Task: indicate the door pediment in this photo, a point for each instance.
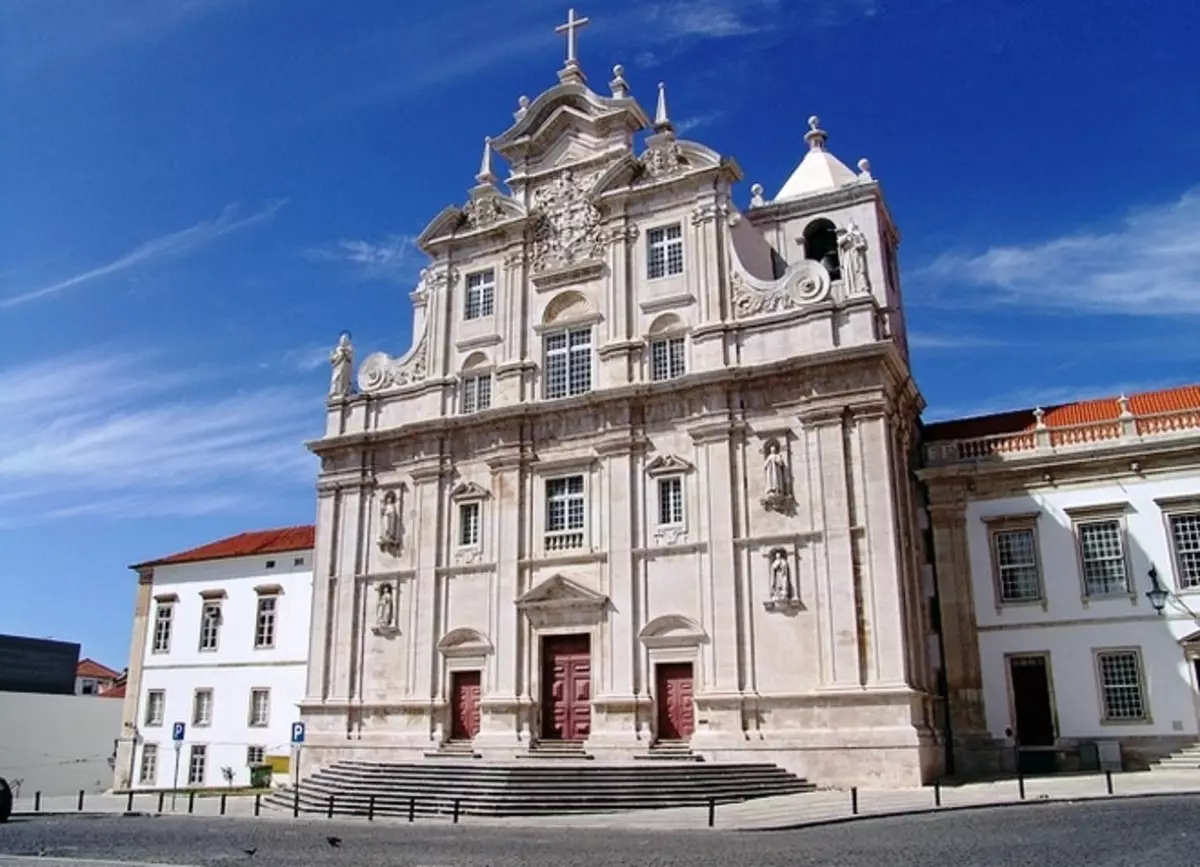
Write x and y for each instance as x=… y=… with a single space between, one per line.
x=561 y=601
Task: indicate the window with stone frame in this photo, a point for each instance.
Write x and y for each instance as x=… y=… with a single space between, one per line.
x=197 y=764
x=156 y=707
x=1016 y=568
x=568 y=362
x=664 y=251
x=1122 y=685
x=565 y=513
x=164 y=617
x=469 y=519
x=260 y=707
x=667 y=359
x=202 y=707
x=475 y=393
x=481 y=294
x=210 y=624
x=264 y=621
x=670 y=501
x=1185 y=547
x=148 y=769
x=1101 y=542
x=255 y=755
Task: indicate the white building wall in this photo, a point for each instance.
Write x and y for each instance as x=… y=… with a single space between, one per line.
x=231 y=671
x=57 y=744
x=1070 y=627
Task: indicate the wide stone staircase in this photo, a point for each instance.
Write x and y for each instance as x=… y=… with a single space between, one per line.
x=528 y=788
x=1187 y=758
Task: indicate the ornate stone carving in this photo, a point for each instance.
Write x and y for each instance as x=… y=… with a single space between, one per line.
x=385 y=607
x=468 y=556
x=389 y=523
x=702 y=214
x=483 y=212
x=673 y=535
x=379 y=371
x=567 y=228
x=663 y=160
x=806 y=282
x=668 y=465
x=853 y=244
x=777 y=487
x=782 y=595
x=341 y=360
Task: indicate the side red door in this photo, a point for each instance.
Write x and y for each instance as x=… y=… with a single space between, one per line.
x=676 y=711
x=464 y=704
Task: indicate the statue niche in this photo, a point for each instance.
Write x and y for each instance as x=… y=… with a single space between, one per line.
x=777 y=481
x=389 y=523
x=782 y=592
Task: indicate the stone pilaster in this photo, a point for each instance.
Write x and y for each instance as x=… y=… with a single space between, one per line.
x=321 y=617
x=125 y=767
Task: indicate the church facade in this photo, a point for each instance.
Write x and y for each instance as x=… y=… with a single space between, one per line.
x=644 y=478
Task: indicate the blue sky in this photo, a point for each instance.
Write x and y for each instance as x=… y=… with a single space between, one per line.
x=200 y=194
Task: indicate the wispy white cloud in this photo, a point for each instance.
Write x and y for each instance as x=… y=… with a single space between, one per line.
x=1147 y=266
x=106 y=434
x=392 y=258
x=167 y=246
x=931 y=340
x=688 y=124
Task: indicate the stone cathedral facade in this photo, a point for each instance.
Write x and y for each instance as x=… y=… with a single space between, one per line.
x=643 y=480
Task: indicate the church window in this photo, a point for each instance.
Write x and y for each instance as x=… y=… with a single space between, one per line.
x=260 y=707
x=164 y=615
x=667 y=358
x=1017 y=572
x=670 y=501
x=1121 y=685
x=476 y=392
x=821 y=245
x=264 y=623
x=564 y=513
x=202 y=707
x=148 y=772
x=481 y=294
x=197 y=762
x=1185 y=542
x=210 y=624
x=468 y=524
x=664 y=251
x=156 y=707
x=568 y=362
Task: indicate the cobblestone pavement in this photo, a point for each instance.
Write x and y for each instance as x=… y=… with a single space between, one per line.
x=1131 y=833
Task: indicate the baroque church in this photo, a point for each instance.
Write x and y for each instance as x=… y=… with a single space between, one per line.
x=643 y=482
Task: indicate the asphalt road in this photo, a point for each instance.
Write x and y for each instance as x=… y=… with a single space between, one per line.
x=1126 y=833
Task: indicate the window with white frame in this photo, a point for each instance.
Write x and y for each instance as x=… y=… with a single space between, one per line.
x=568 y=362
x=264 y=621
x=255 y=755
x=1185 y=542
x=481 y=294
x=1121 y=685
x=156 y=706
x=476 y=392
x=148 y=770
x=670 y=501
x=565 y=513
x=469 y=515
x=1017 y=573
x=667 y=358
x=197 y=761
x=664 y=251
x=1102 y=554
x=260 y=707
x=164 y=616
x=210 y=624
x=202 y=707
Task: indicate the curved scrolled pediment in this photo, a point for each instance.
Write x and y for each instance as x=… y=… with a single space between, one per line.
x=574 y=103
x=669 y=158
x=469 y=491
x=668 y=465
x=805 y=282
x=464 y=641
x=672 y=630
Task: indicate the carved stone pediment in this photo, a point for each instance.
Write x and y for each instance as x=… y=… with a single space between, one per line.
x=805 y=282
x=469 y=491
x=668 y=465
x=464 y=641
x=567 y=229
x=672 y=630
x=560 y=601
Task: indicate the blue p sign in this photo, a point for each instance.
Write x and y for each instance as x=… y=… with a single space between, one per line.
x=177 y=731
x=297 y=732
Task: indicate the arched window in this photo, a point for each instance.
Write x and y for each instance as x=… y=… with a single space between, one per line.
x=567 y=345
x=821 y=245
x=668 y=347
x=475 y=384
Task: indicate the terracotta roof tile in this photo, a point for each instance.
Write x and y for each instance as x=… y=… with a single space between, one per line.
x=91 y=668
x=244 y=545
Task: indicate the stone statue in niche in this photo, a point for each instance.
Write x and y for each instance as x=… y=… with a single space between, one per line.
x=389 y=522
x=853 y=244
x=385 y=607
x=342 y=362
x=783 y=595
x=777 y=492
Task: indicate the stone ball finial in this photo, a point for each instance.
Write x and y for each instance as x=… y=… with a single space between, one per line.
x=618 y=70
x=523 y=101
x=756 y=189
x=814 y=122
x=864 y=166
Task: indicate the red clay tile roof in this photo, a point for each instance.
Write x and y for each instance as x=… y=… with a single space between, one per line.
x=113 y=692
x=244 y=545
x=1063 y=415
x=91 y=668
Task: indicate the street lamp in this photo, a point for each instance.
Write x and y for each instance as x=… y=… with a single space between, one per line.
x=1157 y=594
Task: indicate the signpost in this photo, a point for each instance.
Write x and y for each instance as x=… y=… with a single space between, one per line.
x=298 y=732
x=178 y=730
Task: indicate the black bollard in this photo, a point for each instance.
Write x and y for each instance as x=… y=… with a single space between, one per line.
x=329 y=814
x=161 y=798
x=191 y=802
x=712 y=812
x=854 y=800
x=257 y=804
x=81 y=800
x=296 y=802
x=129 y=801
x=937 y=793
x=412 y=808
x=1021 y=784
x=223 y=797
x=37 y=802
x=1108 y=781
x=371 y=809
x=456 y=811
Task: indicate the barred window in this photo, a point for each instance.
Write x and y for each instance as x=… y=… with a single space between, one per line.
x=1185 y=538
x=148 y=770
x=255 y=755
x=156 y=703
x=164 y=615
x=197 y=760
x=666 y=358
x=481 y=294
x=568 y=366
x=664 y=247
x=564 y=513
x=670 y=501
x=202 y=703
x=210 y=625
x=476 y=393
x=1121 y=682
x=468 y=524
x=264 y=625
x=1102 y=550
x=1016 y=565
x=260 y=707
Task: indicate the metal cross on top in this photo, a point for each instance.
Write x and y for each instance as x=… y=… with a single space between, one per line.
x=573 y=24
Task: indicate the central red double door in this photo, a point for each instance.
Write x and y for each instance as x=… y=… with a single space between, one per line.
x=676 y=711
x=566 y=687
x=464 y=705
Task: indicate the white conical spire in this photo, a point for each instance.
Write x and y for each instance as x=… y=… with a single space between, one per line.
x=662 y=123
x=485 y=175
x=819 y=171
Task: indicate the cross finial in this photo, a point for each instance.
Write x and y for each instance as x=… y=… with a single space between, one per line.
x=573 y=24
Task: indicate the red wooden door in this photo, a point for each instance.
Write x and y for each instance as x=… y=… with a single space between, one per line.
x=566 y=687
x=676 y=713
x=464 y=705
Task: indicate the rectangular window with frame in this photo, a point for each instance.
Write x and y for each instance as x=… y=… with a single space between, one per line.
x=156 y=707
x=264 y=621
x=148 y=770
x=667 y=359
x=476 y=393
x=164 y=616
x=210 y=624
x=565 y=513
x=670 y=501
x=255 y=755
x=664 y=251
x=1121 y=685
x=481 y=294
x=1102 y=555
x=1018 y=575
x=197 y=762
x=202 y=707
x=468 y=524
x=568 y=362
x=260 y=707
x=1185 y=545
